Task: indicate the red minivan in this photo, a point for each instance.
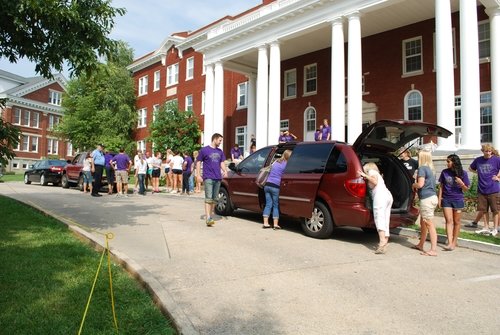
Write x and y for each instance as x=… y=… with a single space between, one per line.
x=320 y=184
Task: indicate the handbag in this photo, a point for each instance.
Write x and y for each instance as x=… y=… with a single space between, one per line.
x=262 y=176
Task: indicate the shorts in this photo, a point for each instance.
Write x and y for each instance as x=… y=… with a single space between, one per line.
x=427 y=207
x=122 y=176
x=450 y=203
x=156 y=173
x=149 y=171
x=176 y=171
x=87 y=177
x=487 y=201
x=212 y=187
x=167 y=170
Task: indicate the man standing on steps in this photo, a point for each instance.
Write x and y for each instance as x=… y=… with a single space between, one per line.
x=98 y=162
x=213 y=159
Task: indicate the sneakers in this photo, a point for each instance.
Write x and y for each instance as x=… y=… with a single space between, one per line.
x=173 y=192
x=210 y=222
x=484 y=231
x=494 y=232
x=471 y=225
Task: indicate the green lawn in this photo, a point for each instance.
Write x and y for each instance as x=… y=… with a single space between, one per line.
x=12 y=177
x=465 y=235
x=46 y=276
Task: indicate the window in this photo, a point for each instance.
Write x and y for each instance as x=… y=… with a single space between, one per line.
x=484 y=39
x=55 y=98
x=52 y=146
x=310 y=119
x=25 y=121
x=309 y=158
x=290 y=83
x=190 y=68
x=202 y=103
x=16 y=117
x=189 y=102
x=141 y=118
x=141 y=145
x=486 y=118
x=69 y=149
x=35 y=119
x=310 y=79
x=157 y=81
x=53 y=121
x=412 y=56
x=156 y=108
x=284 y=125
x=413 y=106
x=143 y=85
x=242 y=95
x=173 y=74
x=458 y=120
x=241 y=136
x=255 y=162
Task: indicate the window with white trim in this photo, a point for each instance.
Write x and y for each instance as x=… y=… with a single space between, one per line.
x=241 y=136
x=143 y=85
x=484 y=39
x=310 y=79
x=25 y=121
x=310 y=119
x=189 y=102
x=242 y=95
x=16 y=116
x=413 y=106
x=52 y=146
x=284 y=125
x=203 y=103
x=486 y=116
x=55 y=98
x=53 y=121
x=458 y=120
x=290 y=84
x=157 y=80
x=69 y=149
x=412 y=56
x=190 y=68
x=35 y=119
x=173 y=74
x=141 y=145
x=156 y=108
x=142 y=117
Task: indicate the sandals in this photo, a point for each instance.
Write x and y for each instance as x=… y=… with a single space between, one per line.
x=276 y=227
x=266 y=226
x=381 y=249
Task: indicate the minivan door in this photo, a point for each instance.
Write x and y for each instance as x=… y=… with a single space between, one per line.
x=301 y=178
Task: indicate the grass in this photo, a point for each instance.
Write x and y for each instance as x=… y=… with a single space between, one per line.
x=465 y=235
x=47 y=275
x=12 y=177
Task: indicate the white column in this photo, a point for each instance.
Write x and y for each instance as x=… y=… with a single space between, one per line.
x=337 y=107
x=274 y=93
x=469 y=71
x=494 y=14
x=262 y=97
x=354 y=79
x=445 y=89
x=250 y=109
x=218 y=98
x=208 y=129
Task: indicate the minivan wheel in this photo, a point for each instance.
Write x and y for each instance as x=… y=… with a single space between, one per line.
x=26 y=179
x=79 y=185
x=320 y=224
x=64 y=181
x=224 y=205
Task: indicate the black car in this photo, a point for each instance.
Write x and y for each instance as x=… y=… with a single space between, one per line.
x=45 y=171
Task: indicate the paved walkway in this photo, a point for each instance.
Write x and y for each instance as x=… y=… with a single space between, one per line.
x=236 y=278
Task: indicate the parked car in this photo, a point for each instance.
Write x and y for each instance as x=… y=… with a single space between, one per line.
x=45 y=171
x=321 y=185
x=72 y=174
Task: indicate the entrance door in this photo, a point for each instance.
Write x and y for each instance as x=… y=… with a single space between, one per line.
x=309 y=124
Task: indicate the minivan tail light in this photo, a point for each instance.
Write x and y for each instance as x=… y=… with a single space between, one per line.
x=356 y=187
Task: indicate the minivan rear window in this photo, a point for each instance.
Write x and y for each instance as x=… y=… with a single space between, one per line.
x=337 y=162
x=309 y=158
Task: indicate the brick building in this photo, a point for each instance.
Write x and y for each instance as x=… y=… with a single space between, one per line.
x=34 y=105
x=287 y=64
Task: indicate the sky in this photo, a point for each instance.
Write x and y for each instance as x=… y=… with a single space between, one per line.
x=147 y=23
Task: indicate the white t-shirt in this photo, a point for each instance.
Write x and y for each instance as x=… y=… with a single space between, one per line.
x=87 y=164
x=177 y=162
x=142 y=168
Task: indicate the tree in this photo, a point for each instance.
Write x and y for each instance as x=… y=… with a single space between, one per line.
x=174 y=129
x=52 y=32
x=9 y=138
x=100 y=107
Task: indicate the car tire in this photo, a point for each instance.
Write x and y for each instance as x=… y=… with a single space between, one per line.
x=43 y=182
x=79 y=185
x=64 y=181
x=320 y=224
x=26 y=179
x=224 y=205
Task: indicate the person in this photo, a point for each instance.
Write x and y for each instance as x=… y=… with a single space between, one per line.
x=110 y=172
x=169 y=179
x=155 y=166
x=141 y=169
x=197 y=188
x=213 y=159
x=272 y=191
x=252 y=149
x=253 y=141
x=236 y=155
x=177 y=161
x=426 y=187
x=382 y=203
x=187 y=169
x=149 y=175
x=410 y=164
x=123 y=164
x=98 y=162
x=317 y=134
x=326 y=132
x=487 y=168
x=286 y=136
x=453 y=182
x=87 y=173
x=282 y=138
x=137 y=156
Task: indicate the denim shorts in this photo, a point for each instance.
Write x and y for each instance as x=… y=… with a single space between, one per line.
x=87 y=177
x=450 y=203
x=212 y=187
